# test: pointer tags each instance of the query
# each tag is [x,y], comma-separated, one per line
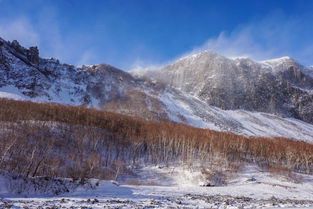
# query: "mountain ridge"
[105,87]
[279,87]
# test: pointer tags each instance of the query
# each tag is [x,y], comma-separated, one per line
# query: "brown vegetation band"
[58,140]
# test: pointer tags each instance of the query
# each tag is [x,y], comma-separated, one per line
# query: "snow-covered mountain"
[279,86]
[204,90]
[47,80]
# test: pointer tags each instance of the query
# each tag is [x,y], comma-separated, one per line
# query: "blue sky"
[140,33]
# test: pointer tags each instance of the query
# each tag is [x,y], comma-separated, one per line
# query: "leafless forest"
[63,141]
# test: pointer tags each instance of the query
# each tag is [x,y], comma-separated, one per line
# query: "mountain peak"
[278,61]
[200,54]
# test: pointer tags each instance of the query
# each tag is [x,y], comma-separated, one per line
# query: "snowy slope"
[188,109]
[11,92]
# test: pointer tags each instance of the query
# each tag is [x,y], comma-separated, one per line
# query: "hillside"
[64,141]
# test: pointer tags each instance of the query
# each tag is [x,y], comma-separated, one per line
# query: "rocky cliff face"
[278,86]
[103,86]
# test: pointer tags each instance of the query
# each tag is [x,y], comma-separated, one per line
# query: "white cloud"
[86,58]
[43,33]
[275,35]
[272,36]
[46,34]
[19,29]
[143,64]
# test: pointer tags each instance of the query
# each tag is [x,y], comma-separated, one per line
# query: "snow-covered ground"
[11,92]
[185,108]
[249,188]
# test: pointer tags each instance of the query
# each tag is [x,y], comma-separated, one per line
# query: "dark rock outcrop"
[33,55]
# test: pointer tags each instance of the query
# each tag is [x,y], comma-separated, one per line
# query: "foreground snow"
[251,188]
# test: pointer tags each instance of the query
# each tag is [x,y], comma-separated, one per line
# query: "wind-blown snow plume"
[272,36]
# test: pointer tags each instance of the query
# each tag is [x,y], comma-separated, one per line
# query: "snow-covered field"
[171,188]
